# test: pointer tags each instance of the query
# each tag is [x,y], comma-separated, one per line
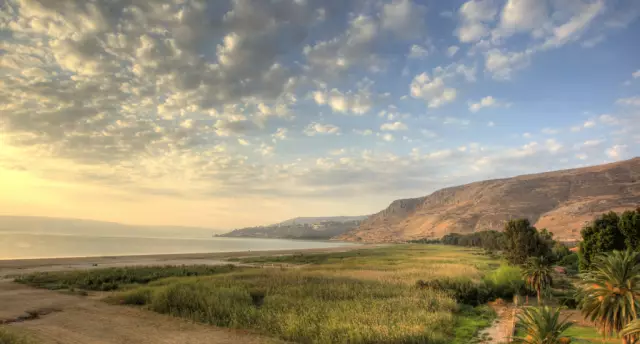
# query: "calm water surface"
[21,246]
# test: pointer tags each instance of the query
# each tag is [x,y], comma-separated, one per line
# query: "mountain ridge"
[561,201]
[323,228]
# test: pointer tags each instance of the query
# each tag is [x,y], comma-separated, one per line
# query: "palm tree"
[537,275]
[542,325]
[632,331]
[610,292]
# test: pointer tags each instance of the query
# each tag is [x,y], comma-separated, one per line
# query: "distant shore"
[20,266]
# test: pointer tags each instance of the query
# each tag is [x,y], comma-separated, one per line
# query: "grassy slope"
[13,336]
[365,296]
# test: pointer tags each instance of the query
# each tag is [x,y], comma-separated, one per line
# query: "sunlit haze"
[225,114]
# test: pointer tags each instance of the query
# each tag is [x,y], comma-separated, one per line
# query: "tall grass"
[8,336]
[306,307]
[114,278]
[364,296]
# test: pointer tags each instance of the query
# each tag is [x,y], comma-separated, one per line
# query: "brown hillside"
[561,201]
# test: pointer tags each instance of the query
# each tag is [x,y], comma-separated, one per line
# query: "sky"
[236,113]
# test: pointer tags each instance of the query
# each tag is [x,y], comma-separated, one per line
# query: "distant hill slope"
[301,228]
[52,225]
[561,201]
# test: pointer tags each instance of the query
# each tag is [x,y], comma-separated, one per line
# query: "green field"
[361,296]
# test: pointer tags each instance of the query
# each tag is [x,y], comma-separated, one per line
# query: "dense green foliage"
[632,331]
[610,291]
[630,227]
[609,232]
[504,283]
[537,274]
[517,242]
[489,240]
[542,325]
[523,241]
[114,278]
[469,320]
[570,262]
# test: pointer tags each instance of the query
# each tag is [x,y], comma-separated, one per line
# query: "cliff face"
[561,201]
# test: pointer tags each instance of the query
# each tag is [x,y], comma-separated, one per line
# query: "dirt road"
[70,319]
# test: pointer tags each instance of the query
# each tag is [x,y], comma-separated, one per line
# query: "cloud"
[280,134]
[417,52]
[395,126]
[356,46]
[485,102]
[617,152]
[550,131]
[589,124]
[523,15]
[455,121]
[592,42]
[636,74]
[366,132]
[387,137]
[502,65]
[356,103]
[576,25]
[474,15]
[404,18]
[630,101]
[592,143]
[433,91]
[324,129]
[608,119]
[452,50]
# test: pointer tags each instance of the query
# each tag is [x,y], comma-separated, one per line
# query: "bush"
[570,262]
[464,291]
[505,281]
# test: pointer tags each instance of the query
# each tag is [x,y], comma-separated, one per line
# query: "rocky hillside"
[319,228]
[561,201]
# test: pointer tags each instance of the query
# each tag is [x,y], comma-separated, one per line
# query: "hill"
[51,225]
[301,228]
[561,201]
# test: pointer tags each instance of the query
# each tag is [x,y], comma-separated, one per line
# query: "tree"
[610,291]
[542,325]
[537,274]
[602,235]
[632,331]
[629,226]
[522,241]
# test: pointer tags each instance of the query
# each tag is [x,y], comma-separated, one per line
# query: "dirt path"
[501,329]
[71,319]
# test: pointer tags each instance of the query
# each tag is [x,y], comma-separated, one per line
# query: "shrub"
[464,291]
[570,262]
[505,281]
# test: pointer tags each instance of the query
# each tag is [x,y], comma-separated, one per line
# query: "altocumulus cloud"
[225,97]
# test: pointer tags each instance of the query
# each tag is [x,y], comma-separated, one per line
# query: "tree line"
[607,291]
[518,242]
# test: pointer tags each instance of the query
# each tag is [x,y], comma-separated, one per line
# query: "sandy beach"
[22,266]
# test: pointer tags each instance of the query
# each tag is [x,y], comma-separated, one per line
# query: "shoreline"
[10,267]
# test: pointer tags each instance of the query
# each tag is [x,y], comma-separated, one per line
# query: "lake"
[25,246]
